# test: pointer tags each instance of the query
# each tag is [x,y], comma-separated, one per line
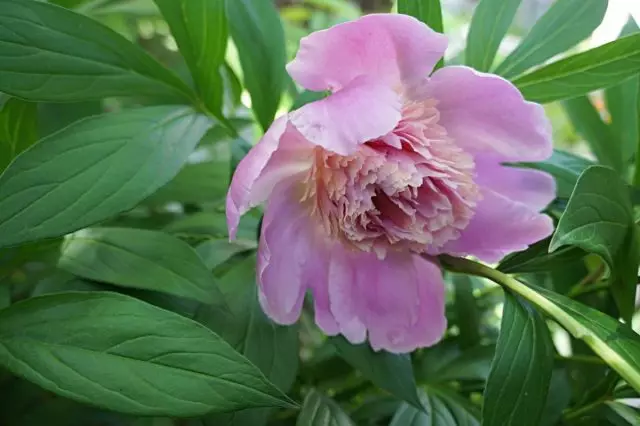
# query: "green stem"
[576,328]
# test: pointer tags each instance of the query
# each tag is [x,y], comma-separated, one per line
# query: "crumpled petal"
[499,226]
[394,50]
[281,153]
[285,255]
[486,115]
[362,111]
[398,301]
[533,188]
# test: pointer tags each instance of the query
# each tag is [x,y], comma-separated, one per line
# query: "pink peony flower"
[394,166]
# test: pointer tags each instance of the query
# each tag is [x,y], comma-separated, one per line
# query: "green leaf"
[122,354]
[628,414]
[272,348]
[467,312]
[565,24]
[441,408]
[93,170]
[623,103]
[200,29]
[318,410]
[258,34]
[616,343]
[48,53]
[427,11]
[53,117]
[204,182]
[517,387]
[447,363]
[538,259]
[141,259]
[18,129]
[588,123]
[392,372]
[558,398]
[214,252]
[490,22]
[599,219]
[580,74]
[565,167]
[5,295]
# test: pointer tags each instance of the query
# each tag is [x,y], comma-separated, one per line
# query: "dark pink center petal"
[412,189]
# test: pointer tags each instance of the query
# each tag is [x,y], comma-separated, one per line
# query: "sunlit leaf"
[580,74]
[565,24]
[490,22]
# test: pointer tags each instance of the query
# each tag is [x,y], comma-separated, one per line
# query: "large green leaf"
[120,353]
[580,74]
[467,312]
[565,24]
[272,348]
[517,387]
[441,408]
[599,219]
[18,129]
[623,104]
[48,53]
[428,11]
[214,252]
[318,410]
[538,259]
[200,29]
[490,22]
[565,167]
[616,343]
[257,32]
[142,259]
[94,169]
[588,123]
[391,372]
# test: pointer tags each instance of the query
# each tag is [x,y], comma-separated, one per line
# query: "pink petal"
[499,227]
[533,188]
[362,111]
[398,300]
[281,153]
[486,114]
[393,49]
[285,251]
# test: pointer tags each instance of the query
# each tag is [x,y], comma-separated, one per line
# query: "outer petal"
[398,300]
[362,111]
[281,153]
[285,252]
[486,114]
[393,49]
[533,188]
[499,227]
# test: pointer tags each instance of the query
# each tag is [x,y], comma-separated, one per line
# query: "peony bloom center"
[412,189]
